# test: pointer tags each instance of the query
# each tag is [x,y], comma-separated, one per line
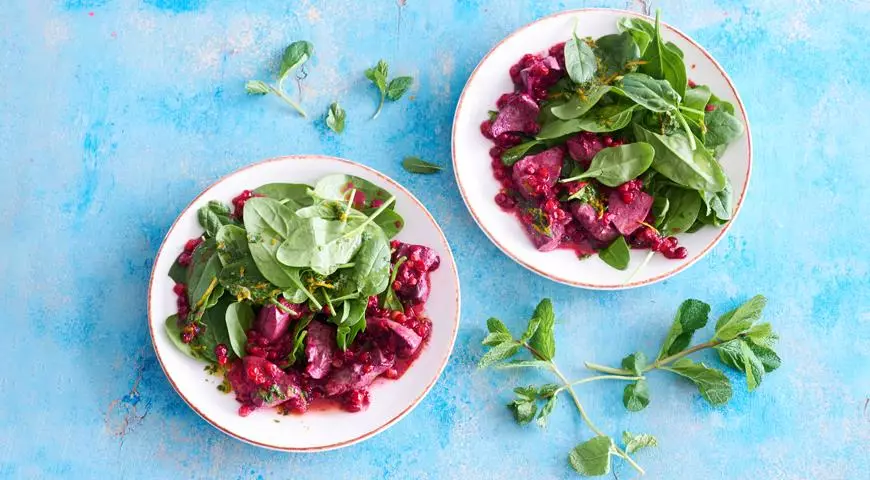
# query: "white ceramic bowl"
[471,161]
[315,430]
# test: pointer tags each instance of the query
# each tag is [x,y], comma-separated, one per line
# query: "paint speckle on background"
[111,123]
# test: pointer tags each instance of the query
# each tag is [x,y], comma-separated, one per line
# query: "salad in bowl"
[602,143]
[303,299]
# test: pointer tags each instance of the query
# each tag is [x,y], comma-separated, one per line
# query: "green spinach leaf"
[292,195]
[683,208]
[618,55]
[173,331]
[614,166]
[616,254]
[675,159]
[654,95]
[338,187]
[580,103]
[514,154]
[580,61]
[240,319]
[213,215]
[665,62]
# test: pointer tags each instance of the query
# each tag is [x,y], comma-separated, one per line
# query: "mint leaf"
[616,254]
[494,339]
[592,457]
[495,325]
[378,75]
[294,56]
[397,87]
[635,397]
[769,359]
[751,366]
[691,316]
[418,165]
[635,362]
[257,87]
[531,328]
[524,406]
[498,353]
[335,118]
[714,386]
[524,412]
[524,364]
[548,390]
[526,393]
[740,319]
[762,334]
[634,442]
[546,410]
[543,339]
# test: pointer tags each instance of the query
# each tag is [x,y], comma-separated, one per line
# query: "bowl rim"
[622,286]
[390,422]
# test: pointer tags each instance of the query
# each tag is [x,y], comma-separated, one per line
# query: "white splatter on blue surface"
[114,113]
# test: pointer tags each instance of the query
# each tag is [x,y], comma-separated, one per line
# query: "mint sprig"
[391,90]
[295,55]
[742,344]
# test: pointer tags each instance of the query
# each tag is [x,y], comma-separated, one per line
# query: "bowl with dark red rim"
[317,429]
[478,187]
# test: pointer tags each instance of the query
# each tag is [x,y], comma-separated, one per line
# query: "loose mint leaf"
[635,397]
[378,76]
[543,339]
[635,362]
[294,56]
[546,410]
[335,118]
[616,254]
[498,353]
[592,457]
[523,364]
[740,319]
[418,165]
[691,316]
[496,326]
[496,338]
[397,87]
[714,386]
[634,442]
[257,87]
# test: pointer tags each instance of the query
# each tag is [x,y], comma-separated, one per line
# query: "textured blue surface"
[115,113]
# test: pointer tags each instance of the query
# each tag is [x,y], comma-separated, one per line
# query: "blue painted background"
[115,113]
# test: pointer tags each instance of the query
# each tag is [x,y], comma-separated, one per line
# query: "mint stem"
[380,106]
[289,101]
[568,385]
[660,363]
